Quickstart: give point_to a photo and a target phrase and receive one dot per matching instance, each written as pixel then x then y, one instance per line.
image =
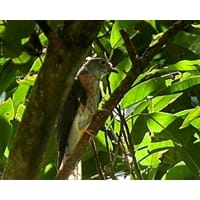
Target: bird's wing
pixel 77 96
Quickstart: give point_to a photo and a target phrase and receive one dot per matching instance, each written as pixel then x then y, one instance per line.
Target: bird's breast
pixel 87 112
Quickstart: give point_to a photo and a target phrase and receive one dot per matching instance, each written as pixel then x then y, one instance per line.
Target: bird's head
pixel 98 67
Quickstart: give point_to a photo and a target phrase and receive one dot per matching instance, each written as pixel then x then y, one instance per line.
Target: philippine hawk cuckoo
pixel 80 105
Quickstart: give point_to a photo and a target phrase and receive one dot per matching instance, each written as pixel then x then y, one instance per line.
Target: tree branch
pixel 47 97
pixel 130 145
pixel 171 32
pixel 130 48
pixel 101 115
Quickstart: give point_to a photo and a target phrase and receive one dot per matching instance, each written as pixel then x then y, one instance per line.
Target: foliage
pixel 153 133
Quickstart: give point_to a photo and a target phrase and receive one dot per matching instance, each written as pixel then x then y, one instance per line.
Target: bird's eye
pixel 103 62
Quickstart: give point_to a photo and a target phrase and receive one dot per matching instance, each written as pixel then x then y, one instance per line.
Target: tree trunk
pixel 65 54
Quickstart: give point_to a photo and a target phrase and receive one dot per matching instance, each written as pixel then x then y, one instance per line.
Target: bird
pixel 80 105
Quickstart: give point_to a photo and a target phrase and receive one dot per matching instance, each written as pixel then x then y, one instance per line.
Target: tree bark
pixel 66 51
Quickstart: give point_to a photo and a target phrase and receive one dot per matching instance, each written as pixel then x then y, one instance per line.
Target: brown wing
pixel 76 97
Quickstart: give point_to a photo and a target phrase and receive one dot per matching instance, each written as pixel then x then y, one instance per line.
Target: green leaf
pixel 29 80
pixel 7 110
pixel 49 172
pixel 17 29
pixel 193 114
pixel 14 32
pixel 5 132
pixel 174 53
pixel 156 122
pixel 190 155
pixel 8 76
pixel 182 85
pixel 136 110
pixel 115 38
pixel 196 123
pixel 37 65
pixel 22 59
pixel 10 73
pixel 151 154
pixel 129 25
pixel 116 78
pixel 19 95
pixel 178 172
pixel 101 142
pixel 183 65
pixel 143 90
pixel 182 113
pixel 181 137
pixel 192 66
pixel 161 102
pixel 188 40
pixel 159 146
pixel 139 108
pixel 6 115
pixel 139 130
pixel 12 48
pixel 143 156
pixel 43 39
pixel 190 161
pixel 20 112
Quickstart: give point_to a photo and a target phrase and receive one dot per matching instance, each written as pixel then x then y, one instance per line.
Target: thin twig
pixel 116 150
pixel 98 162
pixel 109 157
pixel 130 48
pixel 125 152
pixel 130 145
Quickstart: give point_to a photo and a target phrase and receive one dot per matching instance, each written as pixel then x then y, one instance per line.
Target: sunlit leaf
pixel 115 38
pixel 116 78
pixel 182 85
pixel 142 90
pixel 7 109
pixel 195 113
pixel 158 146
pixel 6 115
pixel 143 156
pixel 23 58
pixel 20 112
pixel 158 121
pixel 160 102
